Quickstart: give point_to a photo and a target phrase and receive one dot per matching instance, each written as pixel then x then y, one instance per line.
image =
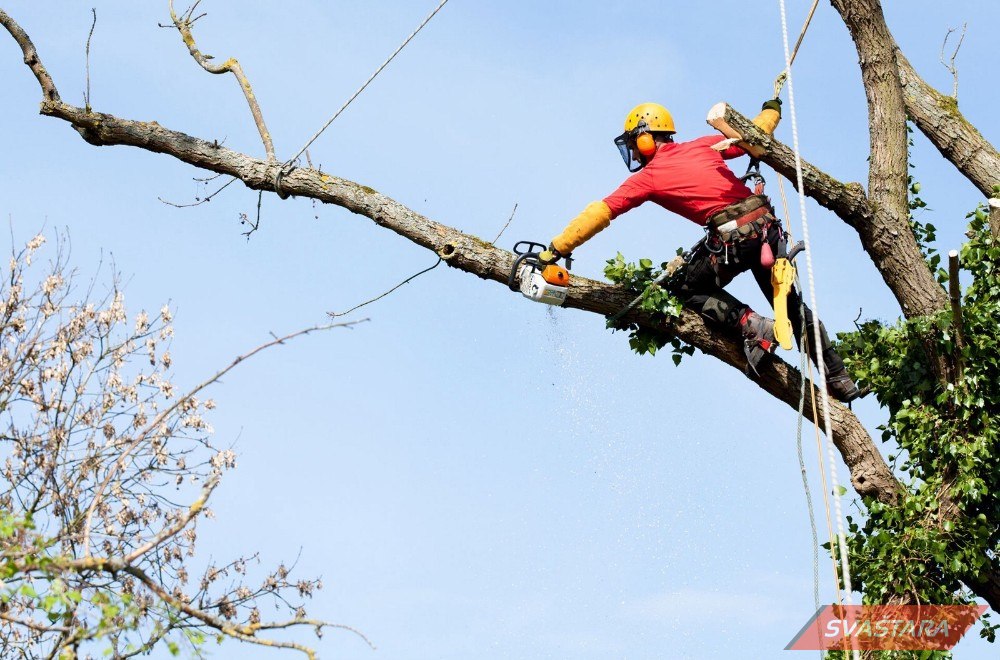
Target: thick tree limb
pixel 885 73
pixel 937 116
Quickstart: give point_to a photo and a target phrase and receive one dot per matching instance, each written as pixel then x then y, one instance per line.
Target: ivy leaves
pixel 947 434
pixel 656 300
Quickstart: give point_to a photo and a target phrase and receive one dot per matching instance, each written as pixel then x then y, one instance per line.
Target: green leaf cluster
pixel 658 301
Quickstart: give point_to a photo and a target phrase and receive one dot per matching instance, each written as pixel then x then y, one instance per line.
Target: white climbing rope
pixel 821 367
pixel 804 368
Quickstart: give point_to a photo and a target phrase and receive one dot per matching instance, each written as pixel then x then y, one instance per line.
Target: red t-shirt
pixel 688 178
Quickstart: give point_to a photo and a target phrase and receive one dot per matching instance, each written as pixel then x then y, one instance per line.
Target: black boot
pixel 842 387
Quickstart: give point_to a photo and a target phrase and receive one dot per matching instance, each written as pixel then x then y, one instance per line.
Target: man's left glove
pixel 770 115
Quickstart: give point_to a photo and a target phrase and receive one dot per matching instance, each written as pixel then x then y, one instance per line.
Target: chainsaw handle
pixel 533 247
pixel 521 256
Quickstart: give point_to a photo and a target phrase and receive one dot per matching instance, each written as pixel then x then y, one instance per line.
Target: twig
pixel 86 94
pixel 256 224
pixel 183 25
pixel 169 532
pixel 200 201
pixel 334 315
pixel 506 225
pixel 950 65
pixel 367 82
pixel 165 413
pixel 207 178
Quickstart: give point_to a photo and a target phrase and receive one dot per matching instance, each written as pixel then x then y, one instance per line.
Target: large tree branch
pixel 937 117
pixel 870 474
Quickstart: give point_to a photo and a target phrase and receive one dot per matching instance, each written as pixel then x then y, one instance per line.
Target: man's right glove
pixel 595 217
pixel 550 256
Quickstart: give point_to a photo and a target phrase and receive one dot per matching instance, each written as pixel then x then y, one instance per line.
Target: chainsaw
pixel 538 281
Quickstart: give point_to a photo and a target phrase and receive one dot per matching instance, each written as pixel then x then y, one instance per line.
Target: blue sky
pixel 472 474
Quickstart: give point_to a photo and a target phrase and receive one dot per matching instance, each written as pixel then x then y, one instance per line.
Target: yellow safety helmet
pixel 636 144
pixel 656 117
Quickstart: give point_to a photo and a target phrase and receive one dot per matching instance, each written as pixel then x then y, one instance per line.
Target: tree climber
pixel 692 180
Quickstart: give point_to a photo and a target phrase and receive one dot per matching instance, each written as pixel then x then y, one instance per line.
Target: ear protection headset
pixel 644 142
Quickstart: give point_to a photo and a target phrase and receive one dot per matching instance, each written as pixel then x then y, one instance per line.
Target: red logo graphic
pixel 886 627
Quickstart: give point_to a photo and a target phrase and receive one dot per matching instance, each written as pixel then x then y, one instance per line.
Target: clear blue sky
pixel 473 475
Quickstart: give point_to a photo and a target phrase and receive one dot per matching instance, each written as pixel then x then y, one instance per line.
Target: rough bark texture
pixel 888 240
pixel 885 73
pixel 937 117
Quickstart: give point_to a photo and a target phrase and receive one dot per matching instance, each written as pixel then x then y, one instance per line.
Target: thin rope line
pixel 803 364
pixel 367 82
pixel 779 82
pixel 820 366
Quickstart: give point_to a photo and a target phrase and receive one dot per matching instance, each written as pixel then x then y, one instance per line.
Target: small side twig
pixel 494 242
pixel 950 64
pixel 199 202
pixel 244 219
pixel 334 315
pixel 86 93
pixel 183 24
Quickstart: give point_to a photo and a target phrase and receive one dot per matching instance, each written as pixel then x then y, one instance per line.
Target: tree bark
pixel 937 116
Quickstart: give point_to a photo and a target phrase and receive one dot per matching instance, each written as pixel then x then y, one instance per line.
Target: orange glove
pixel 583 227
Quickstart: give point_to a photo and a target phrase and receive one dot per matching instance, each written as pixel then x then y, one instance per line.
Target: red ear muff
pixel 645 144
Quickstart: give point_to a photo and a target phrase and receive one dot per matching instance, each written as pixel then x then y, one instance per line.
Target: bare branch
pixel 49 91
pixel 950 64
pixel 86 94
pixel 144 434
pixel 182 522
pixel 334 315
pixel 504 228
pixel 885 235
pixel 256 223
pixel 938 117
pixel 183 25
